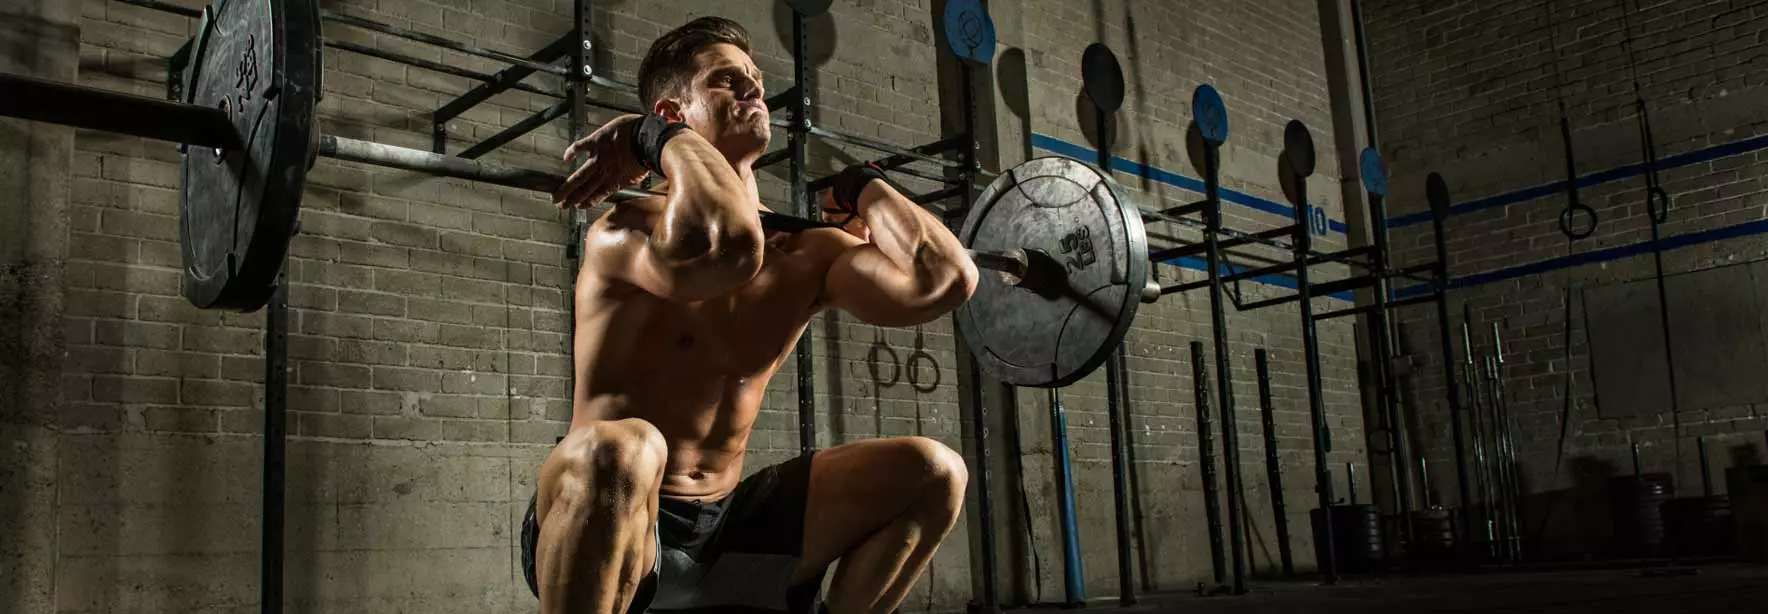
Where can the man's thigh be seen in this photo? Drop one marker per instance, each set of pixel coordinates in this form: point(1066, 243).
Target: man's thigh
point(570, 472)
point(858, 488)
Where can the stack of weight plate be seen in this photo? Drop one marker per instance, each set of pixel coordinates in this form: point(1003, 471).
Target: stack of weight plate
point(1433, 535)
point(1356, 537)
point(1637, 506)
point(1698, 526)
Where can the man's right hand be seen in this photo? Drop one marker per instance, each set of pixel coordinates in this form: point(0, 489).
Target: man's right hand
point(609, 165)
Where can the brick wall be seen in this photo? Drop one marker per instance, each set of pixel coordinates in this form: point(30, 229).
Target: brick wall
point(429, 324)
point(429, 357)
point(1469, 89)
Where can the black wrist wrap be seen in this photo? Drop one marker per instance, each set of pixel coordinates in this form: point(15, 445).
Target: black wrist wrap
point(850, 183)
point(647, 142)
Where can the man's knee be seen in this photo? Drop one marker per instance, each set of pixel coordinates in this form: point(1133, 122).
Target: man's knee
point(944, 468)
point(620, 455)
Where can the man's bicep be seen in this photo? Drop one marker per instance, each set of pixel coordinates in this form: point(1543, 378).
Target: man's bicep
point(864, 282)
point(617, 247)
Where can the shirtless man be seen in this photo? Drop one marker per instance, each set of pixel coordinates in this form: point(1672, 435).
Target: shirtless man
point(685, 309)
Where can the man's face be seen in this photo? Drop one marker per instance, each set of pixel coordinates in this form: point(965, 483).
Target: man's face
point(725, 102)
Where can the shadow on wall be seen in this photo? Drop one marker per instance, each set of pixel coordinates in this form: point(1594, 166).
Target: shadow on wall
point(1013, 81)
point(821, 38)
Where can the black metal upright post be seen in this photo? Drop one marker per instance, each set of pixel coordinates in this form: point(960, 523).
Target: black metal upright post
point(1310, 342)
point(1400, 467)
point(582, 55)
point(1212, 513)
point(276, 385)
point(798, 143)
point(1116, 395)
point(986, 601)
point(1224, 374)
point(1273, 462)
point(1457, 410)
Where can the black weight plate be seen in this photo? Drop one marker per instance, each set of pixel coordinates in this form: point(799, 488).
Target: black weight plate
point(1210, 114)
point(1089, 257)
point(1102, 77)
point(1436, 191)
point(810, 8)
point(1299, 144)
point(969, 32)
point(1374, 172)
point(256, 59)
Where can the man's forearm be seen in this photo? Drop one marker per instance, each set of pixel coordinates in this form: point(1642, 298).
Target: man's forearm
point(708, 220)
point(916, 241)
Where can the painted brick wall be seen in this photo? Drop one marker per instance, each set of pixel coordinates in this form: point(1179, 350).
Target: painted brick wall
point(1268, 62)
point(1469, 89)
point(430, 370)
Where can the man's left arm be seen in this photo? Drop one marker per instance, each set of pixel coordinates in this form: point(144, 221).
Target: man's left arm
point(912, 271)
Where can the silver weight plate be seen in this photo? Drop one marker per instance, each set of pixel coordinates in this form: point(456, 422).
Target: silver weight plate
point(1089, 264)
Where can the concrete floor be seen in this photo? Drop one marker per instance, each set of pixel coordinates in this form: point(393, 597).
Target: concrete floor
point(1706, 589)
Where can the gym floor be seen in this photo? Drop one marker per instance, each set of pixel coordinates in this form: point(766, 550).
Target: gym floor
point(1668, 588)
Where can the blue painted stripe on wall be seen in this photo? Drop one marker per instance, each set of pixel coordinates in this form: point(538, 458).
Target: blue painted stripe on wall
point(1612, 253)
point(1064, 148)
point(1279, 280)
point(1081, 152)
point(1599, 177)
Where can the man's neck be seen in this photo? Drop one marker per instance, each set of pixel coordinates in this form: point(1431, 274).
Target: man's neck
point(745, 168)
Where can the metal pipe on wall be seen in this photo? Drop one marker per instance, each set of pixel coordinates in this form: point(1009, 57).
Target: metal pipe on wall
point(1381, 329)
point(1457, 410)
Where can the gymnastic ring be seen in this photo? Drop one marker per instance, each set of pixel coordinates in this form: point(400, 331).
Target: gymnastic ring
point(914, 370)
point(1568, 221)
point(1657, 204)
point(879, 347)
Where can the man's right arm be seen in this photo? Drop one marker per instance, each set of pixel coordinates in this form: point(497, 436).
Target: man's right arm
point(701, 240)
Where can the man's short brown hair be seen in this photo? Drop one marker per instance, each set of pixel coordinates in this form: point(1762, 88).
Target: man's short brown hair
point(669, 64)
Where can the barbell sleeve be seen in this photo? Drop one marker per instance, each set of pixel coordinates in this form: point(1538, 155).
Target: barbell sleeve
point(68, 104)
point(1016, 263)
point(1012, 262)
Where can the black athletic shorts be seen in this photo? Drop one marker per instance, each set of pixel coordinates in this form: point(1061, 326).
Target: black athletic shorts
point(738, 552)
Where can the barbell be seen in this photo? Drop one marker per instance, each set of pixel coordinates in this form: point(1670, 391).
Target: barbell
point(1065, 244)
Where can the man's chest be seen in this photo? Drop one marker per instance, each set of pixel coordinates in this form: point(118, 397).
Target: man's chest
point(751, 329)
